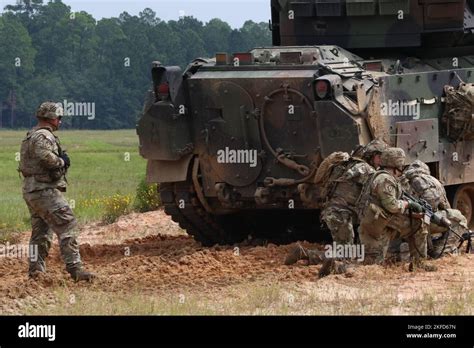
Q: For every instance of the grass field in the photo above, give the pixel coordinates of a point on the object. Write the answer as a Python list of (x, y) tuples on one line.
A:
[(104, 163), (259, 299)]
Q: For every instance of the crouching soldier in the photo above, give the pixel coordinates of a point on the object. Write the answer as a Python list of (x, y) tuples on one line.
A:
[(341, 191), (443, 238), (385, 216)]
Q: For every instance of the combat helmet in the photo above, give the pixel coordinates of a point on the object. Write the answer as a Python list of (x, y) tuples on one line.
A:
[(416, 168), (374, 147), (50, 110), (393, 157)]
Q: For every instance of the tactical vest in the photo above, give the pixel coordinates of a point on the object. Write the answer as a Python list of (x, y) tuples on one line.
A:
[(30, 165)]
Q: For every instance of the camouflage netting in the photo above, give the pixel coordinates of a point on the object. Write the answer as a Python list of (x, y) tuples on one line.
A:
[(458, 117)]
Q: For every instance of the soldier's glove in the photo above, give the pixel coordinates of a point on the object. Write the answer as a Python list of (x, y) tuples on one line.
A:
[(415, 207), (66, 159)]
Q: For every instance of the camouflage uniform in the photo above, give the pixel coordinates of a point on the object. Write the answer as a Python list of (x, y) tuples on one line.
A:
[(44, 181), (444, 241), (418, 182), (383, 214), (339, 213)]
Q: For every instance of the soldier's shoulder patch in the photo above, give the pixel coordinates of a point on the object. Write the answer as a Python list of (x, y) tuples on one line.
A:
[(43, 138), (385, 180), (44, 134)]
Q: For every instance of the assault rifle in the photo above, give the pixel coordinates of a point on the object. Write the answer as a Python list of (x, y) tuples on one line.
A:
[(466, 237), (432, 218)]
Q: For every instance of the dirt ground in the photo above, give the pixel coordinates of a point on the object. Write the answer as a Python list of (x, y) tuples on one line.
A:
[(149, 255)]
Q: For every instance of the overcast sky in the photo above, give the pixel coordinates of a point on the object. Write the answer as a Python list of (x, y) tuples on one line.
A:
[(234, 12)]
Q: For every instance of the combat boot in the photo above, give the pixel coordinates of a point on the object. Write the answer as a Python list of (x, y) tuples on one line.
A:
[(296, 253), (36, 274), (79, 274), (332, 266), (418, 264), (36, 270), (315, 257)]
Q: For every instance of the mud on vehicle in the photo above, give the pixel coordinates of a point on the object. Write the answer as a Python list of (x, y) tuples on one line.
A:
[(234, 141)]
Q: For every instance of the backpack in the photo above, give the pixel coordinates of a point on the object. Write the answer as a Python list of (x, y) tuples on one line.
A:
[(457, 119), (325, 175)]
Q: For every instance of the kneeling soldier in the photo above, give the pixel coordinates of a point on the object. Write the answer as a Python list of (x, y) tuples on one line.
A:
[(384, 215)]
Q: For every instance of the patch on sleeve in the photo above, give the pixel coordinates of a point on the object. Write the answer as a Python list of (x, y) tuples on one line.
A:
[(44, 139), (389, 187)]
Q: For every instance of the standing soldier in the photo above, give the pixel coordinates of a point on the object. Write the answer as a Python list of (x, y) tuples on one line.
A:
[(418, 181), (384, 215), (343, 188), (44, 165)]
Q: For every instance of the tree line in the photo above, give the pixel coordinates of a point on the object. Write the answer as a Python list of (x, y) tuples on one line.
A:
[(48, 52)]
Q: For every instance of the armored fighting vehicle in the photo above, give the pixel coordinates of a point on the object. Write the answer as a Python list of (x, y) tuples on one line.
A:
[(235, 141)]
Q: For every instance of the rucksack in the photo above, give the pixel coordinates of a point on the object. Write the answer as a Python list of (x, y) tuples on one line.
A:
[(325, 175), (458, 118)]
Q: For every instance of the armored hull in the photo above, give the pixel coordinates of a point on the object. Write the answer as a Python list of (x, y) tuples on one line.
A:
[(235, 141)]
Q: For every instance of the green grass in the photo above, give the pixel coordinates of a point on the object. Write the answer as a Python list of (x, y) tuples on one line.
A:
[(99, 170)]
